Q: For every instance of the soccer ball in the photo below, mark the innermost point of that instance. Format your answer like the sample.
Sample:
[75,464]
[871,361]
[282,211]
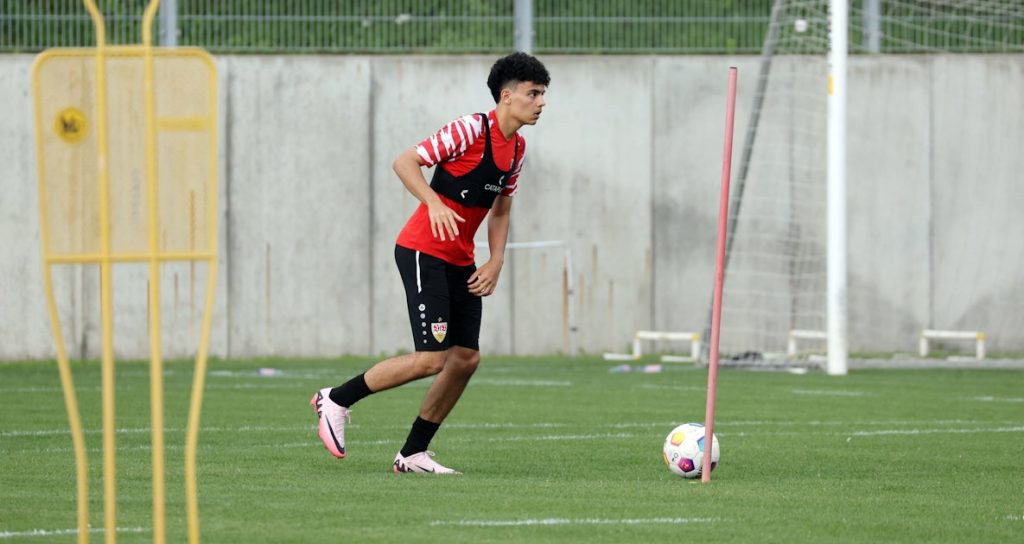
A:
[684,450]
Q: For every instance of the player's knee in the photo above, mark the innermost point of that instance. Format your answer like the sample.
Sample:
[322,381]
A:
[430,362]
[464,363]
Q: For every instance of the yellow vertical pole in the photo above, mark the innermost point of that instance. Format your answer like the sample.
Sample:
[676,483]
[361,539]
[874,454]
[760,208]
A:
[106,285]
[64,368]
[195,407]
[199,376]
[156,371]
[74,415]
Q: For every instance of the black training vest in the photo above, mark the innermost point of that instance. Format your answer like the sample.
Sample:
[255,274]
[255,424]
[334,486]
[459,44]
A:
[480,186]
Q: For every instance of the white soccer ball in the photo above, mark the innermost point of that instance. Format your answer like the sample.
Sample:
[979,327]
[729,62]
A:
[800,25]
[684,450]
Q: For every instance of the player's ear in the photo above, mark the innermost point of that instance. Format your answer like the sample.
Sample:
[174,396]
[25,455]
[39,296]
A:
[506,95]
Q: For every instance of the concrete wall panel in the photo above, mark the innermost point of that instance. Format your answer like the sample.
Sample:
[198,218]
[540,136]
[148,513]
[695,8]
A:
[689,133]
[888,188]
[24,323]
[977,193]
[298,191]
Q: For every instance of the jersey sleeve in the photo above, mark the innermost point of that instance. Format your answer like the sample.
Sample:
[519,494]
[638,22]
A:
[512,187]
[451,141]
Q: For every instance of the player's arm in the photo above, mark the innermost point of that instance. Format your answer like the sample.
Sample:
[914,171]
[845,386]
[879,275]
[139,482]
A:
[485,279]
[443,219]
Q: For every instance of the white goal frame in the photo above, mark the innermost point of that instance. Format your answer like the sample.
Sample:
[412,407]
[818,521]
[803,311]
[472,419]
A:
[569,315]
[836,312]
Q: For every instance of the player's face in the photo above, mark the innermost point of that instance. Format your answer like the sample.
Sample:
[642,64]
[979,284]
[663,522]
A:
[527,101]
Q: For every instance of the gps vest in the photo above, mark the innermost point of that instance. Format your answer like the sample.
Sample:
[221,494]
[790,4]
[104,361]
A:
[479,187]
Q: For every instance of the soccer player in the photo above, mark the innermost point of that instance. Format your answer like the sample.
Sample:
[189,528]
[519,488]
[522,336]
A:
[478,159]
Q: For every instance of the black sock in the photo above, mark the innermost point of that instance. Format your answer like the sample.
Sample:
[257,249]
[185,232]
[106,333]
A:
[350,392]
[419,437]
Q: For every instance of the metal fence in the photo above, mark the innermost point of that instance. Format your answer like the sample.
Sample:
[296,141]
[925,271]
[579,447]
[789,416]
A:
[487,26]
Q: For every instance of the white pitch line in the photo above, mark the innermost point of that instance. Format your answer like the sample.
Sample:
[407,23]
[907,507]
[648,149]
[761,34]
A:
[765,423]
[384,442]
[63,532]
[304,444]
[462,440]
[276,382]
[672,387]
[561,437]
[539,425]
[832,393]
[833,423]
[936,431]
[598,436]
[138,430]
[519,438]
[526,437]
[502,369]
[996,399]
[523,383]
[313,443]
[277,429]
[569,521]
[503,425]
[58,432]
[42,389]
[271,383]
[665,424]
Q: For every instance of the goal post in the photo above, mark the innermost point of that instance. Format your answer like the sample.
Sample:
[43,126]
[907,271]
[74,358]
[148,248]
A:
[838,345]
[792,263]
[775,258]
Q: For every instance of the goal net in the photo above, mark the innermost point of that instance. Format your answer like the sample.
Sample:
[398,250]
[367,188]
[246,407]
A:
[774,304]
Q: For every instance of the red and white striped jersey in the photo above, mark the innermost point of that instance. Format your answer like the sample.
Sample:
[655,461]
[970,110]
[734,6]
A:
[458,147]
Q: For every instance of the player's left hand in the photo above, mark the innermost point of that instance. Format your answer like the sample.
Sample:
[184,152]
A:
[485,279]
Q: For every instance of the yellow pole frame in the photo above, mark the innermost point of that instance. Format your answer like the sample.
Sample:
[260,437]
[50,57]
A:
[106,288]
[105,258]
[199,374]
[156,364]
[70,401]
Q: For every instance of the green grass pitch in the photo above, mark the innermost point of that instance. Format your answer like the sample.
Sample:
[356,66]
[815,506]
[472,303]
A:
[553,450]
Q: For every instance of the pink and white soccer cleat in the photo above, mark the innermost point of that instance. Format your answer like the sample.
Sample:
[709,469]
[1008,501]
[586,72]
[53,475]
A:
[420,462]
[332,422]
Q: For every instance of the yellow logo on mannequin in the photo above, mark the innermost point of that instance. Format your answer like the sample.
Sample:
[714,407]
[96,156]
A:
[70,125]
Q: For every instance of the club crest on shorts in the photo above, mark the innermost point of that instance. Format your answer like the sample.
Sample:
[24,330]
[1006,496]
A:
[439,330]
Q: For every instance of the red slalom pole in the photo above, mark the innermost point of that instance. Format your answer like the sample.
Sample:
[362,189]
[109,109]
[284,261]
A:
[716,308]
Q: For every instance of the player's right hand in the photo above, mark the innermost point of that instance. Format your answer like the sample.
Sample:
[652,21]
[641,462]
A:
[444,220]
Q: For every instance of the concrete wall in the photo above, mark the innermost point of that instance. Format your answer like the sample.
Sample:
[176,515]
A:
[624,166]
[935,186]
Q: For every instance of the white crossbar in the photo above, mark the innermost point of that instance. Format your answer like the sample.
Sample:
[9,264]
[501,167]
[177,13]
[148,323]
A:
[932,334]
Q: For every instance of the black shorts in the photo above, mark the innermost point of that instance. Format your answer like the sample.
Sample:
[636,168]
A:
[442,311]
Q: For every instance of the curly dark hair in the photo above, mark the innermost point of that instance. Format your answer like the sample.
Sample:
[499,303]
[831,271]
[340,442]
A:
[514,69]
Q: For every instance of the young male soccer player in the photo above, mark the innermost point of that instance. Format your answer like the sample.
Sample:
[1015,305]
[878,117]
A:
[478,159]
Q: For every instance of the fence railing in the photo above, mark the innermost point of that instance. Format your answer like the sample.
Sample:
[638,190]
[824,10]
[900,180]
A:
[487,26]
